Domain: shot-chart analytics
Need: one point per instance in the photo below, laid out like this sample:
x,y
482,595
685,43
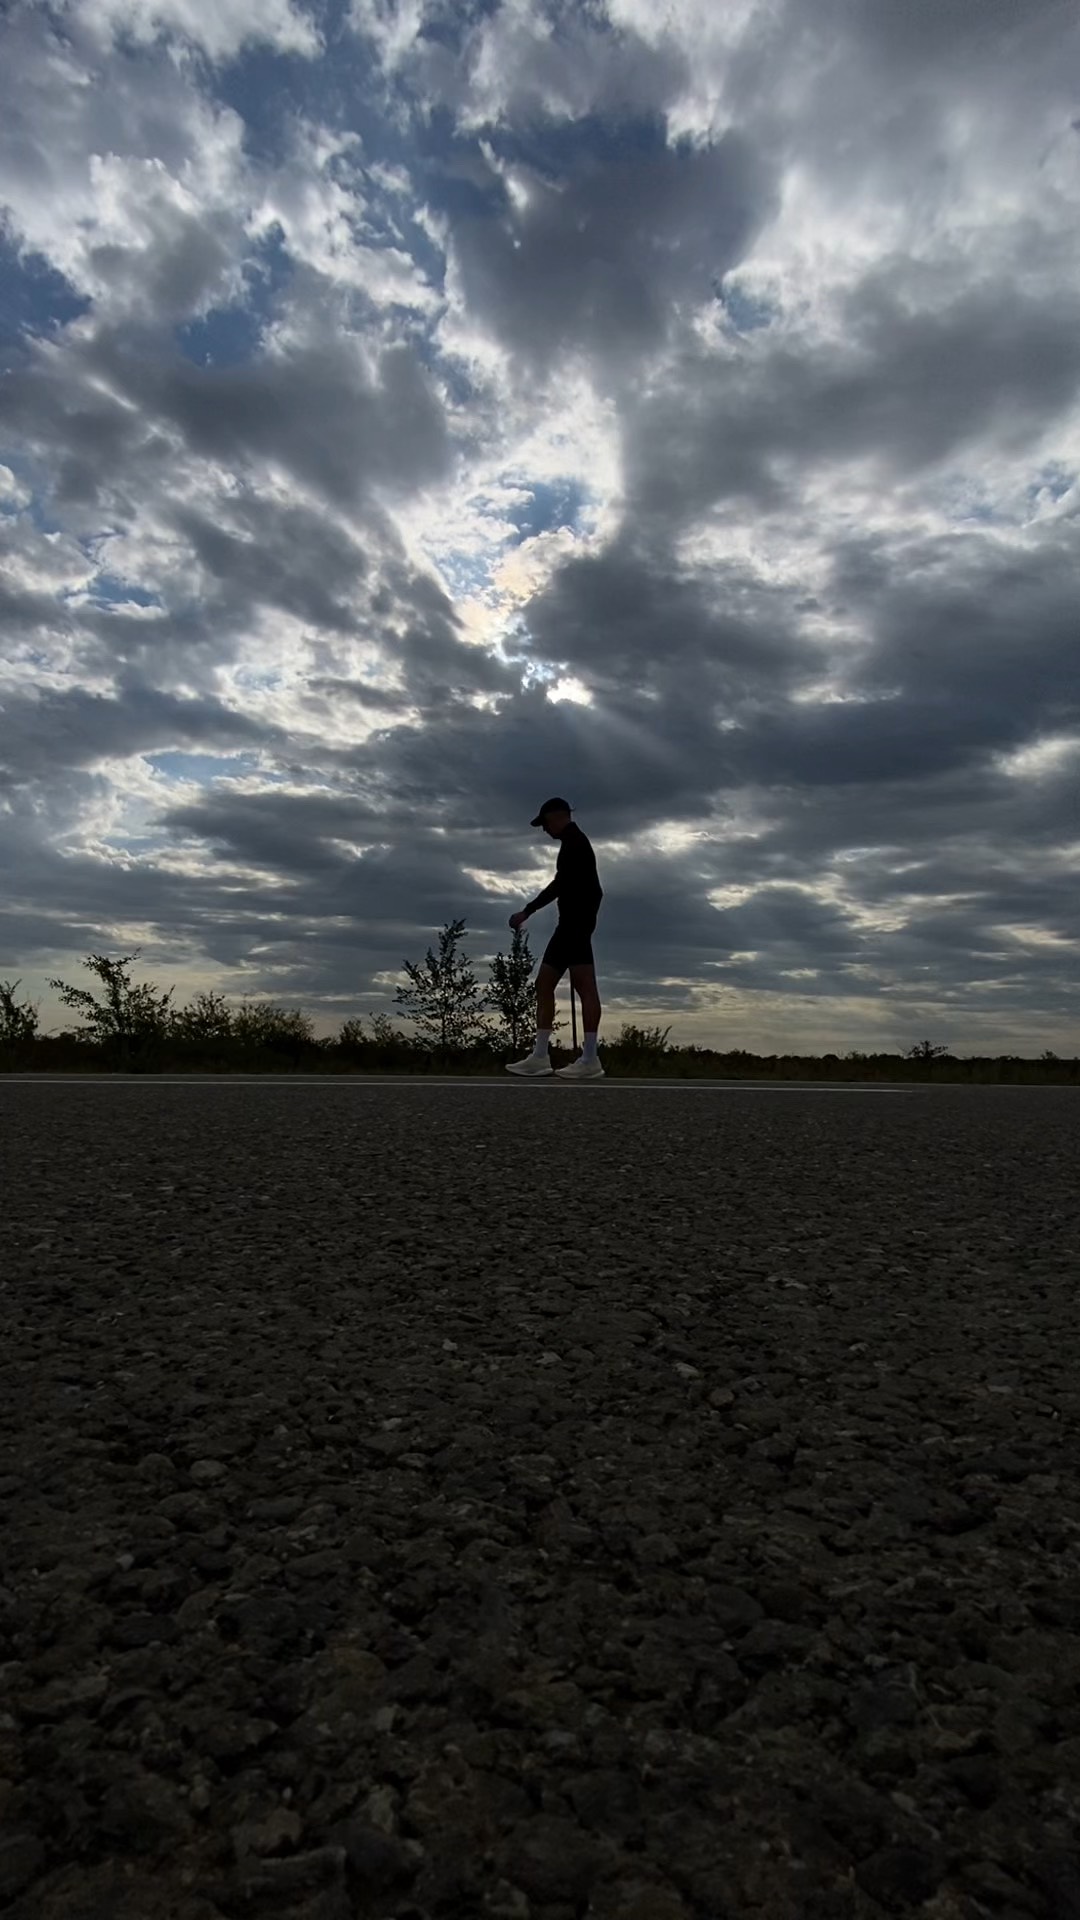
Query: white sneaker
x,y
536,1064
581,1069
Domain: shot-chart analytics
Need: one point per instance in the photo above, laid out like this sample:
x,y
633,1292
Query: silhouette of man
x,y
577,889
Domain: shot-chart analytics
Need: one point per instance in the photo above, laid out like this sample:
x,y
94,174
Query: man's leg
x,y
547,980
583,981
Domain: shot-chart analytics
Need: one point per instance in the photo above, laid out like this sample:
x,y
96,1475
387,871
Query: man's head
x,y
554,817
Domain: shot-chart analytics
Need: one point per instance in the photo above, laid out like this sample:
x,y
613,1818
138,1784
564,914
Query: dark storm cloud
x,y
23,611
280,555
285,937
955,43
362,692
53,730
907,104
289,833
795,928
84,446
610,240
992,629
968,826
632,615
315,412
178,261
409,881
109,408
969,649
404,878
852,744
628,763
904,389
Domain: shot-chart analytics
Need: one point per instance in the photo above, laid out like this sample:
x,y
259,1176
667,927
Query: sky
x,y
412,409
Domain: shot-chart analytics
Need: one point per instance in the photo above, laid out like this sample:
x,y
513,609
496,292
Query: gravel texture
x,y
538,1502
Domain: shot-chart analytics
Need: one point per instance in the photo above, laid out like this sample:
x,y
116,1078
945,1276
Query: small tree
x,y
511,993
443,1000
383,1033
18,1020
206,1018
925,1050
130,1019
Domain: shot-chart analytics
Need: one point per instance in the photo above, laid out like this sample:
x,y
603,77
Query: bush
x,y
640,1045
263,1025
18,1024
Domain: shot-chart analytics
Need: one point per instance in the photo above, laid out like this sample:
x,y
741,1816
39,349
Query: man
x,y
577,888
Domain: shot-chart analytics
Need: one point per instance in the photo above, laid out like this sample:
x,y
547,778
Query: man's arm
x,y
550,893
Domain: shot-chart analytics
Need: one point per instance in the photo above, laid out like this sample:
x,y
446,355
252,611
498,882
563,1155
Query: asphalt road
x,y
425,1498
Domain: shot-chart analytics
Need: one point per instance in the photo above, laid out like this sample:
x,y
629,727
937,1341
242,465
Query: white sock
x,y
543,1035
589,1050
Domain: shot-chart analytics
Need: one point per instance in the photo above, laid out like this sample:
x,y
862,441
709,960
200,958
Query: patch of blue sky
x,y
270,87
37,509
537,673
34,298
109,591
746,314
550,504
273,91
452,175
556,148
454,373
447,24
468,575
224,337
15,502
36,657
1054,480
140,843
456,180
176,764
230,336
257,682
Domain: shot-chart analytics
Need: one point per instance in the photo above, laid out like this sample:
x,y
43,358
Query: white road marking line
x,y
434,1080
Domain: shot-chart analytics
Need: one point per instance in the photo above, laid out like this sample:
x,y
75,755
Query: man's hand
x,y
518,920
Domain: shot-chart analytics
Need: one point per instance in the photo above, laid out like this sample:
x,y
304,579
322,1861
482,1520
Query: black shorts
x,y
570,945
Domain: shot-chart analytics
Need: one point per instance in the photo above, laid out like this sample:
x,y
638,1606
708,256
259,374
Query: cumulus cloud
x,y
218,32
413,413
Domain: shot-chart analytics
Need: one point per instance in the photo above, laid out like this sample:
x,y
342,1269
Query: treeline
x,y
134,1026
456,1026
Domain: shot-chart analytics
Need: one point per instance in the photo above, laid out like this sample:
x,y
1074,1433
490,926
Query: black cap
x,y
551,806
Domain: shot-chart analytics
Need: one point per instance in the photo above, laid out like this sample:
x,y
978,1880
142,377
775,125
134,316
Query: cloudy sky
x,y
412,408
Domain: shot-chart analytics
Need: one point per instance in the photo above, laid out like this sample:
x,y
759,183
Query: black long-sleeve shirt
x,y
576,885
